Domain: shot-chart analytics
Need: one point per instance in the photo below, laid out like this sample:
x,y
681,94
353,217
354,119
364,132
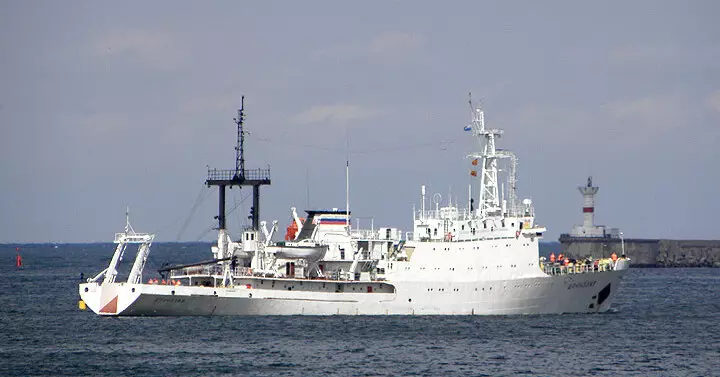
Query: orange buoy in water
x,y
18,259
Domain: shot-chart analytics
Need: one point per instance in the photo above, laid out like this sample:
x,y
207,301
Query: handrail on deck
x,y
231,174
559,269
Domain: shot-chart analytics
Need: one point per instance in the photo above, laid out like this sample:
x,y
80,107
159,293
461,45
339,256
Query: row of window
x,y
514,286
472,230
423,268
454,289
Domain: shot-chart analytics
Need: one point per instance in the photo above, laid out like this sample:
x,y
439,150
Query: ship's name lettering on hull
x,y
170,300
582,284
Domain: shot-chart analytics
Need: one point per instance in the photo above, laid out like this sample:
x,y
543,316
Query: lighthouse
x,y
588,192
588,228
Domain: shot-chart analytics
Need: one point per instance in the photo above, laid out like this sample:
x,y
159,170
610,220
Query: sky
x,y
105,105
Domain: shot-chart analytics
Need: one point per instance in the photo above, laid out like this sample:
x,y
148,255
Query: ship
x,y
479,260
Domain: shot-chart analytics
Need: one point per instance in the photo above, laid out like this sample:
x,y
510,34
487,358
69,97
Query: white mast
x,y
422,212
489,203
347,183
469,204
347,194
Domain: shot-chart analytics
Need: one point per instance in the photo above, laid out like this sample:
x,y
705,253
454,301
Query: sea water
x,y
664,322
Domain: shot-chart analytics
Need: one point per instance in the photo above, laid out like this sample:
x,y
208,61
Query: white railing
x,y
369,234
209,270
364,233
132,237
451,213
559,269
205,270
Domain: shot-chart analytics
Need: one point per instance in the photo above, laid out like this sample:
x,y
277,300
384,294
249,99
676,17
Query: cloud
x,y
212,103
390,45
655,113
334,113
670,119
713,101
646,54
394,42
683,58
151,48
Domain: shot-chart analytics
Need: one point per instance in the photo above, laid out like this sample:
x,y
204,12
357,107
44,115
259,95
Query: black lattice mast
x,y
239,176
239,148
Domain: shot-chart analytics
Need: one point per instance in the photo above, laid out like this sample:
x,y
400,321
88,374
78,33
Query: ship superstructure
x,y
456,260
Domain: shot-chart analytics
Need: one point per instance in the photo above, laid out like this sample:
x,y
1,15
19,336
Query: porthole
x,y
86,289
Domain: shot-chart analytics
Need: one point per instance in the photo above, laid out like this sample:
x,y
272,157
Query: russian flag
x,y
332,221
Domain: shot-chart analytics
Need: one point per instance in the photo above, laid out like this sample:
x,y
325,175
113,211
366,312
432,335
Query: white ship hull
x,y
471,261
575,293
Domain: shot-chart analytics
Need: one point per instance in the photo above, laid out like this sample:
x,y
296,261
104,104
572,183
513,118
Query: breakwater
x,y
646,252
